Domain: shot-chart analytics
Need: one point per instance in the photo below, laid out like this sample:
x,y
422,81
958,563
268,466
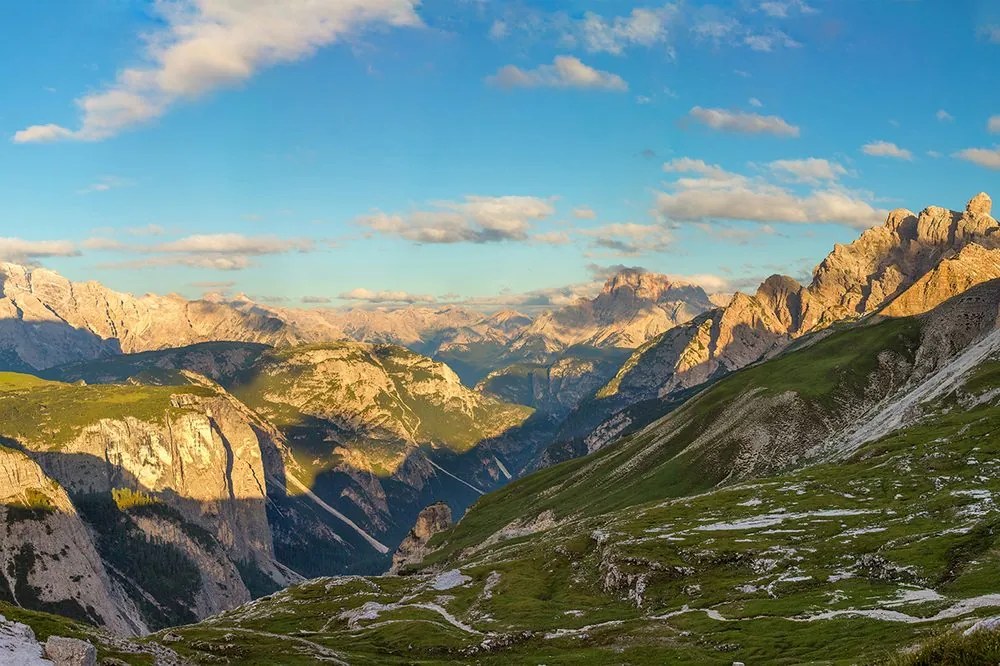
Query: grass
x,y
953,648
51,414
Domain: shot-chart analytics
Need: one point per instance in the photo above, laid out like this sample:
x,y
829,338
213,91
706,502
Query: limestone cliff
x,y
169,481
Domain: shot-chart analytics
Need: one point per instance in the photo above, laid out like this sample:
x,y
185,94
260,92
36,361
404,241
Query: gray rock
x,y
70,652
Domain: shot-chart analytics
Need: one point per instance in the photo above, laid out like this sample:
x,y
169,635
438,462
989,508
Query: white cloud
x,y
19,250
743,123
643,27
148,230
232,244
767,42
226,252
210,44
476,219
209,262
783,8
756,103
316,300
104,184
944,116
993,125
716,194
629,238
707,281
499,30
688,165
584,213
986,157
809,170
42,134
369,296
886,149
564,72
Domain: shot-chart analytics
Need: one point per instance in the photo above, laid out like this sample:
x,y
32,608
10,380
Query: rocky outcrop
x,y
70,652
46,320
557,387
432,520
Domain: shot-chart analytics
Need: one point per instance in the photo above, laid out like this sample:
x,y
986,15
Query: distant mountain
x,y
47,320
633,307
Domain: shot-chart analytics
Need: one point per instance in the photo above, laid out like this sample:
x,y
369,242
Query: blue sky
x,y
389,151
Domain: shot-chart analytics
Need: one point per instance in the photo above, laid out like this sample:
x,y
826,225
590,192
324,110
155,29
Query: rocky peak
x,y
783,296
637,284
981,204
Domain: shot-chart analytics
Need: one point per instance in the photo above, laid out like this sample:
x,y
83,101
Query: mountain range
x,y
804,473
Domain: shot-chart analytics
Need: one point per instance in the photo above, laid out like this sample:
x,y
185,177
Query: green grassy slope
x,y
834,564
52,413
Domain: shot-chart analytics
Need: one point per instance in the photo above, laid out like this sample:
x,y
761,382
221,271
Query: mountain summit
x,y
632,307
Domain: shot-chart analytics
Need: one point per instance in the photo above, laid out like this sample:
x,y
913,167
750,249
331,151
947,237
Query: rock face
x,y
633,307
48,560
132,507
434,519
907,266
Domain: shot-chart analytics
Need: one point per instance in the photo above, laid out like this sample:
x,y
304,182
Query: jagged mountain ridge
x,y
632,307
904,267
47,320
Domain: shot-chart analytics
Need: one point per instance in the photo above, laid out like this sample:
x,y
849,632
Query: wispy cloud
x,y
369,296
210,44
18,250
993,124
944,116
990,33
476,219
584,213
784,8
226,252
809,170
713,193
643,27
985,157
886,149
629,238
564,72
104,184
740,122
